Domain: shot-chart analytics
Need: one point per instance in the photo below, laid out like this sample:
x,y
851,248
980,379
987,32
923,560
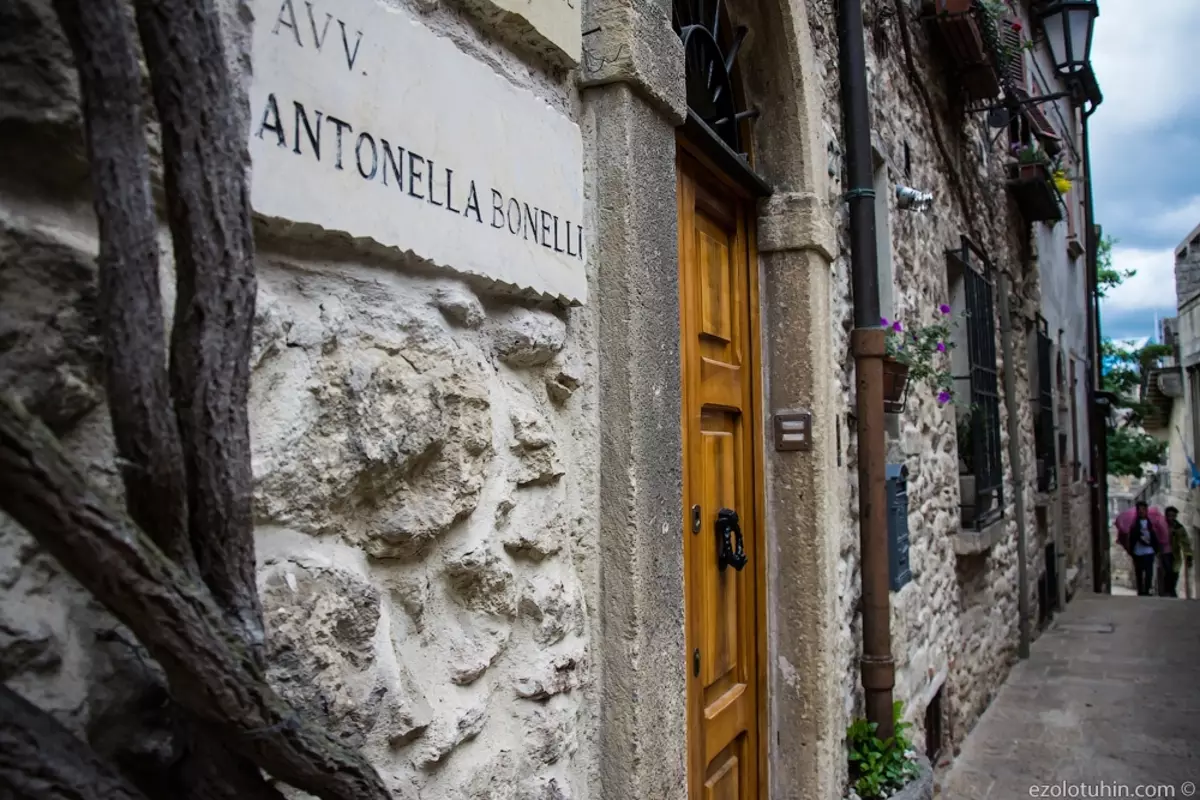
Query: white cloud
x,y
1142,53
1164,220
1179,221
1152,287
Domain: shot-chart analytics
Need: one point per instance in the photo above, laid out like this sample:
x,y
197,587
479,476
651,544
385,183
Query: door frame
x,y
687,146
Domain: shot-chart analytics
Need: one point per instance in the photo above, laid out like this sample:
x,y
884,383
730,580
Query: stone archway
x,y
805,491
634,98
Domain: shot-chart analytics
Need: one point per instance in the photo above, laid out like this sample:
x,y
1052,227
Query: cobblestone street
x,y
1110,695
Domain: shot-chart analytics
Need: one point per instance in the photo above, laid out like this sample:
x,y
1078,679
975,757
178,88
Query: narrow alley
x,y
1108,699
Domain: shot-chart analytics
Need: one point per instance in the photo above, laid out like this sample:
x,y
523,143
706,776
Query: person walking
x,y
1143,545
1143,533
1180,556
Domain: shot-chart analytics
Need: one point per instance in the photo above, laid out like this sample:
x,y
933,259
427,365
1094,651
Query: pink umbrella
x,y
1158,523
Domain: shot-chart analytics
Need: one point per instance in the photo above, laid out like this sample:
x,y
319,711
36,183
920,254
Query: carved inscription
x,y
366,121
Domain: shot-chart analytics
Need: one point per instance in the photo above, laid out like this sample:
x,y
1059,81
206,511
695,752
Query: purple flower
x,y
884,322
945,309
897,327
941,348
943,397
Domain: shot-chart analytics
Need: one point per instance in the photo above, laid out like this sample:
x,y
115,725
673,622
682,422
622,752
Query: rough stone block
x,y
795,221
633,43
50,351
370,421
528,338
41,128
322,626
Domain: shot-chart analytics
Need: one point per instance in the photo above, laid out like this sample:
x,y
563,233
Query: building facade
x,y
554,403
1170,392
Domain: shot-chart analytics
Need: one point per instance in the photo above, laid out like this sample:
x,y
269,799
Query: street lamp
x,y
1068,28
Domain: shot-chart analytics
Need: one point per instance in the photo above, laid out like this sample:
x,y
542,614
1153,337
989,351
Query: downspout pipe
x,y
1014,459
1101,577
868,345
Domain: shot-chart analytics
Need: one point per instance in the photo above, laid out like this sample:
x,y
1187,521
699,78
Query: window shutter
x,y
1013,44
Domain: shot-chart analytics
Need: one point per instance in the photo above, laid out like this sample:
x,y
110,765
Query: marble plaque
x,y
365,121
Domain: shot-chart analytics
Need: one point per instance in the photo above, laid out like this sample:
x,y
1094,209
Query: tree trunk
x,y
208,207
184,581
42,760
209,670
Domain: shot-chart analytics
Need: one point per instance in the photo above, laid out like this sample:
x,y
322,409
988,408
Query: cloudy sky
x,y
1145,142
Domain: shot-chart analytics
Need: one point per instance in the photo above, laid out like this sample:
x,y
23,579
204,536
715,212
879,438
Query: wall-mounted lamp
x,y
912,199
1068,26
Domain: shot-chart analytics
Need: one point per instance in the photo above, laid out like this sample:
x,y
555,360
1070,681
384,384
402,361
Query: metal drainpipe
x,y
1097,432
867,343
1014,458
1060,504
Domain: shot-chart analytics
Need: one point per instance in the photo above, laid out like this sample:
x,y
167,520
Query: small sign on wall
x,y
364,121
899,570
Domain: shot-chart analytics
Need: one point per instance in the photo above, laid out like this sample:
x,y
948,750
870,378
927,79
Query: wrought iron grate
x,y
985,464
1044,432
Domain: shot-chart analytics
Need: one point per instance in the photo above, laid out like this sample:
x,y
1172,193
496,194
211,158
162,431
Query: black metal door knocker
x,y
730,546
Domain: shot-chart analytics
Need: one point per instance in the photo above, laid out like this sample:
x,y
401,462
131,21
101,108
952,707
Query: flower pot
x,y
1033,189
895,385
1032,171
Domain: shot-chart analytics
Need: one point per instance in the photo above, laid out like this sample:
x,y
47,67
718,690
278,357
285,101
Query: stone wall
x,y
425,474
1078,535
955,626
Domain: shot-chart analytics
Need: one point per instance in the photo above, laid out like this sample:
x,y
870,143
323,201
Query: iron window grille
x,y
718,120
1044,432
983,504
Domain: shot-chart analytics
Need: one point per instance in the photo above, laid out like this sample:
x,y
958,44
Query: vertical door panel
x,y
719,474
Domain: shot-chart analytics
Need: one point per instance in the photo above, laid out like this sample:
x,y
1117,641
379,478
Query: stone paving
x,y
1109,698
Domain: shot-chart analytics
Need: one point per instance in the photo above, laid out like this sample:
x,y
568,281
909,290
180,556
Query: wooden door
x,y
717,296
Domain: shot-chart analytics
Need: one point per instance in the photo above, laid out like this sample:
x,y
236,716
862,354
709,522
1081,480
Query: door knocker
x,y
730,546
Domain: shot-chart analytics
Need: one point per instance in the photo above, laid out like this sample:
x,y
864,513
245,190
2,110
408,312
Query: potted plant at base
x,y
881,768
917,354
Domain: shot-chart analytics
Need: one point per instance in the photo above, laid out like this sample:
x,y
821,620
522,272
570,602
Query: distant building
x,y
1187,268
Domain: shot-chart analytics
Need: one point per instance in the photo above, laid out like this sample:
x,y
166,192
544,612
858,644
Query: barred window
x,y
981,474
1047,467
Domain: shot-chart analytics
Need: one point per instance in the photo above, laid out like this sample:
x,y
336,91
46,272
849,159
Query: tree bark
x,y
130,299
209,671
208,208
42,760
103,41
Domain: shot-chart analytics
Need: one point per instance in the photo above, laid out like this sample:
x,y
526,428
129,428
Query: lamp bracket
x,y
1013,103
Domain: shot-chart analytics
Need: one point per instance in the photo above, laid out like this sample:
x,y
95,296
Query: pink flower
x,y
884,322
945,309
941,348
897,327
943,397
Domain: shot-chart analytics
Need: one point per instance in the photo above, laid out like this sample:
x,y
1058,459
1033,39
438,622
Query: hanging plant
x,y
924,351
1061,182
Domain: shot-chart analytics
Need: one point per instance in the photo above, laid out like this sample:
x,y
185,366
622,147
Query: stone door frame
x,y
633,99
